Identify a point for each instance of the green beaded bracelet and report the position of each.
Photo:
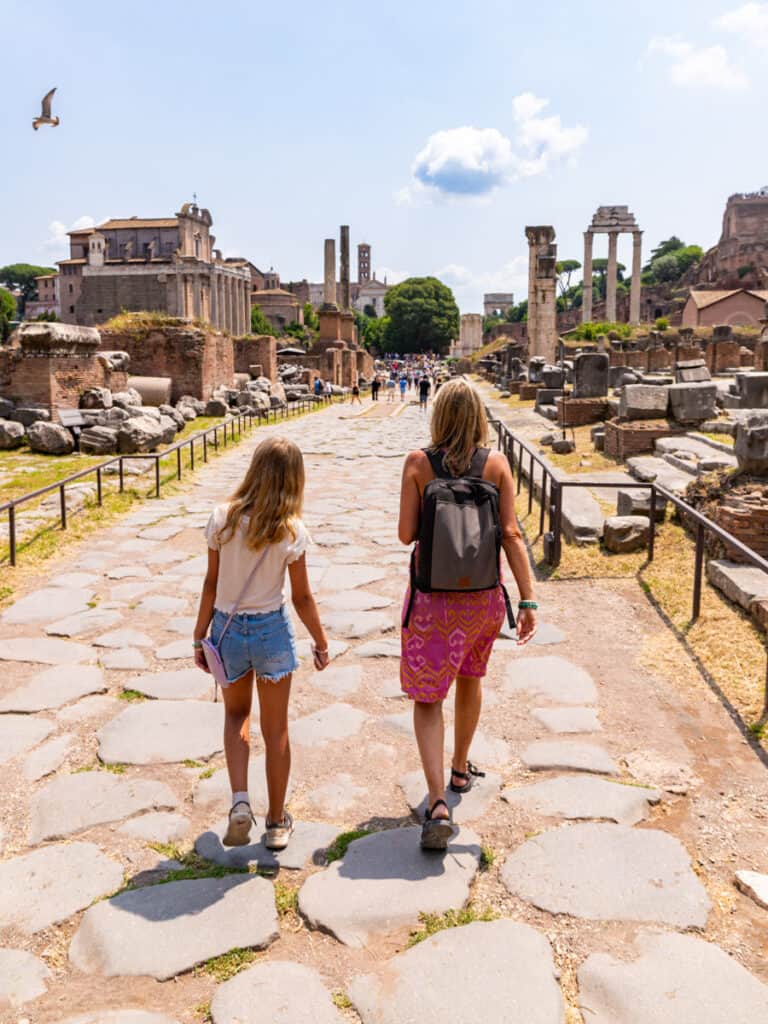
(528, 604)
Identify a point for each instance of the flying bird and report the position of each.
(45, 113)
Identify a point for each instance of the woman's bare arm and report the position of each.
(304, 603)
(205, 610)
(410, 499)
(514, 545)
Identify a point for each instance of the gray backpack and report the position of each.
(459, 546)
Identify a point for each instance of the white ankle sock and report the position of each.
(240, 797)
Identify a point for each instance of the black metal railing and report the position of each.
(229, 430)
(551, 486)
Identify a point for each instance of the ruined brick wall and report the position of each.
(57, 381)
(528, 391)
(577, 412)
(104, 296)
(196, 361)
(722, 355)
(623, 440)
(659, 359)
(365, 366)
(348, 368)
(256, 349)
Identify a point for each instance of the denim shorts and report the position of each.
(265, 643)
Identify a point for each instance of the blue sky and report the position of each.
(436, 130)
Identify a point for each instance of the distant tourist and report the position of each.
(253, 540)
(328, 389)
(449, 626)
(318, 387)
(375, 386)
(424, 388)
(355, 396)
(390, 388)
(403, 386)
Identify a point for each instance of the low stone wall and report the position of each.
(623, 440)
(197, 361)
(747, 520)
(256, 350)
(722, 355)
(578, 412)
(528, 391)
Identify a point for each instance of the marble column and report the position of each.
(586, 305)
(247, 307)
(179, 293)
(612, 277)
(230, 307)
(329, 280)
(344, 270)
(214, 284)
(238, 310)
(221, 303)
(637, 270)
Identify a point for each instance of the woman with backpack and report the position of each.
(457, 501)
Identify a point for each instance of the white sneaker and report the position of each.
(239, 827)
(278, 833)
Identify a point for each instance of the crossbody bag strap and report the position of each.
(242, 593)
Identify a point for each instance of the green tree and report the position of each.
(7, 313)
(600, 267)
(665, 268)
(423, 316)
(688, 256)
(665, 248)
(517, 314)
(259, 323)
(22, 276)
(564, 269)
(310, 317)
(376, 333)
(370, 311)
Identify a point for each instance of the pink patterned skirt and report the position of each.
(449, 635)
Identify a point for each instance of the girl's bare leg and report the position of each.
(273, 708)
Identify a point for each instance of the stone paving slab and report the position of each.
(608, 873)
(567, 720)
(175, 650)
(181, 684)
(163, 930)
(355, 601)
(334, 797)
(89, 707)
(346, 577)
(47, 604)
(546, 635)
(53, 688)
(582, 796)
(278, 992)
(19, 733)
(489, 750)
(47, 758)
(84, 622)
(308, 844)
(335, 648)
(128, 572)
(354, 625)
(552, 677)
(335, 722)
(123, 659)
(494, 972)
(49, 885)
(22, 978)
(44, 651)
(339, 680)
(754, 885)
(157, 827)
(72, 803)
(123, 638)
(676, 979)
(120, 1017)
(384, 881)
(379, 649)
(163, 732)
(568, 755)
(162, 604)
(465, 807)
(216, 788)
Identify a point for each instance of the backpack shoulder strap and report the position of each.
(436, 462)
(477, 465)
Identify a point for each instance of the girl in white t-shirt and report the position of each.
(259, 528)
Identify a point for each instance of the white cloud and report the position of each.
(749, 22)
(57, 240)
(392, 276)
(699, 67)
(469, 162)
(469, 285)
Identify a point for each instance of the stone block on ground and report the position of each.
(553, 677)
(163, 732)
(379, 649)
(47, 758)
(568, 755)
(164, 930)
(623, 534)
(643, 402)
(308, 844)
(337, 795)
(673, 980)
(67, 878)
(19, 733)
(122, 659)
(139, 434)
(73, 803)
(751, 448)
(489, 971)
(98, 440)
(637, 502)
(693, 403)
(355, 600)
(568, 720)
(354, 625)
(11, 435)
(576, 797)
(275, 992)
(742, 584)
(384, 881)
(608, 873)
(465, 807)
(157, 827)
(83, 622)
(47, 604)
(339, 680)
(50, 438)
(22, 978)
(754, 885)
(53, 688)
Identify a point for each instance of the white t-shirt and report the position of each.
(266, 592)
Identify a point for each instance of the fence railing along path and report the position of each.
(230, 429)
(524, 461)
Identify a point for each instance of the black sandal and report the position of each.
(436, 832)
(468, 776)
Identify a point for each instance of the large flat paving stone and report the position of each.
(44, 651)
(123, 638)
(335, 648)
(308, 843)
(334, 797)
(568, 720)
(123, 659)
(754, 885)
(379, 649)
(279, 992)
(568, 755)
(55, 687)
(49, 885)
(676, 979)
(347, 577)
(120, 1017)
(581, 796)
(84, 622)
(19, 733)
(216, 788)
(157, 827)
(354, 625)
(47, 758)
(608, 872)
(174, 650)
(385, 880)
(22, 978)
(47, 605)
(162, 930)
(181, 684)
(338, 680)
(490, 971)
(464, 806)
(72, 803)
(335, 722)
(163, 732)
(552, 677)
(355, 601)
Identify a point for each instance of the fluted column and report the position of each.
(221, 303)
(329, 279)
(247, 307)
(586, 304)
(214, 298)
(230, 307)
(637, 270)
(612, 277)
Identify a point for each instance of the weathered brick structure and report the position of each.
(256, 350)
(577, 412)
(623, 440)
(197, 361)
(51, 364)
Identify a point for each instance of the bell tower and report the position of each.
(363, 263)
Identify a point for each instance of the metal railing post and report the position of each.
(178, 463)
(652, 527)
(205, 446)
(543, 507)
(519, 466)
(12, 533)
(63, 506)
(192, 453)
(698, 571)
(157, 476)
(98, 485)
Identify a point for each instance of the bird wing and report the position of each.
(46, 112)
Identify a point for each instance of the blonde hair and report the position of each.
(459, 424)
(271, 495)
